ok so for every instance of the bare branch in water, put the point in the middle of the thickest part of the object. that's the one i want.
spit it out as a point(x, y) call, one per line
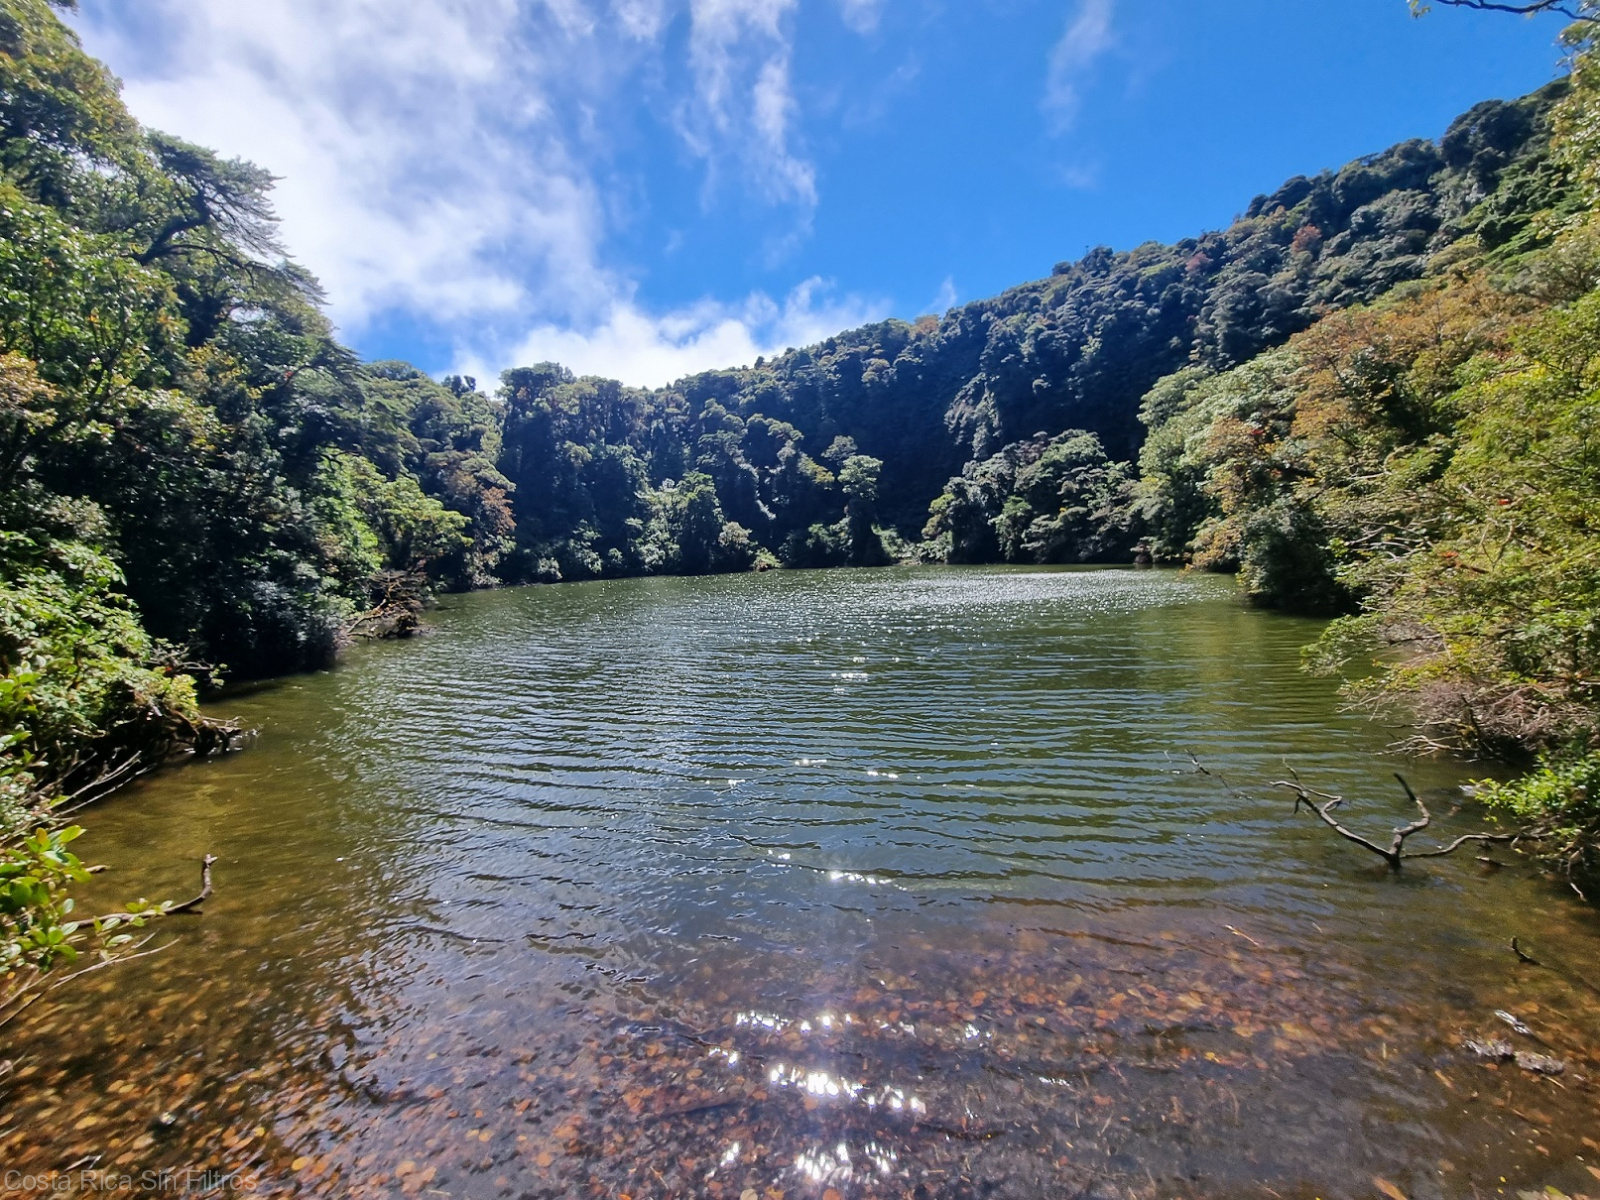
point(28, 984)
point(167, 910)
point(205, 888)
point(1395, 853)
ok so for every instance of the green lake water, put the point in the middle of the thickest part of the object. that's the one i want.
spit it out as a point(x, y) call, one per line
point(883, 883)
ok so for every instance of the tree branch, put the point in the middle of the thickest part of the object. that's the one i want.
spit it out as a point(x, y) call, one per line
point(1395, 853)
point(1303, 795)
point(205, 888)
point(1521, 8)
point(167, 910)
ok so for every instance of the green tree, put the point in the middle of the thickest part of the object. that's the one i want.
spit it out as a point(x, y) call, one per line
point(858, 479)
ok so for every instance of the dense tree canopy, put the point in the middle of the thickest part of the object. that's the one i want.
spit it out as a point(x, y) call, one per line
point(956, 397)
point(191, 469)
point(1421, 463)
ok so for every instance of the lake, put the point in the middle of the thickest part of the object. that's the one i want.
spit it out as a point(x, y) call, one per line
point(871, 883)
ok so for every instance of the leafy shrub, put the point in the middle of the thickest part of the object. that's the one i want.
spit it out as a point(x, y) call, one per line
point(1559, 801)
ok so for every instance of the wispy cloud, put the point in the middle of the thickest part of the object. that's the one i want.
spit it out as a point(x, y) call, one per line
point(861, 15)
point(641, 19)
point(1079, 176)
point(644, 348)
point(417, 144)
point(448, 163)
point(743, 107)
point(881, 98)
point(1087, 38)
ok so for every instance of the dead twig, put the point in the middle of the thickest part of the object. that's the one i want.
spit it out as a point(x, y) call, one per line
point(110, 777)
point(205, 888)
point(167, 910)
point(1521, 8)
point(1201, 769)
point(25, 991)
point(31, 990)
point(1395, 852)
point(1573, 977)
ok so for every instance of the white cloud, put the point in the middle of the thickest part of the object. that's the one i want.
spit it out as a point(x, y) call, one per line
point(414, 142)
point(641, 19)
point(640, 348)
point(1079, 176)
point(861, 15)
point(774, 104)
point(945, 299)
point(740, 53)
point(1087, 38)
point(445, 163)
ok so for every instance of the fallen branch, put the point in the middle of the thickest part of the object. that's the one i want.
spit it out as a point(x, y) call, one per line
point(399, 598)
point(27, 985)
point(1201, 769)
point(205, 888)
point(1395, 853)
point(156, 742)
point(168, 909)
point(1571, 976)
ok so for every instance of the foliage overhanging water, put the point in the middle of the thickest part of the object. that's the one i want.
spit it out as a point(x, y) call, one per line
point(887, 882)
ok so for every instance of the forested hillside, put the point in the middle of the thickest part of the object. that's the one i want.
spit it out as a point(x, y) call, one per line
point(971, 393)
point(194, 476)
point(1373, 394)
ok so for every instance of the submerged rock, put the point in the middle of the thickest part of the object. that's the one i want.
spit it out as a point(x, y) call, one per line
point(1540, 1064)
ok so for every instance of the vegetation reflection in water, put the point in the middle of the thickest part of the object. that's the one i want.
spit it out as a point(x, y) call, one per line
point(880, 883)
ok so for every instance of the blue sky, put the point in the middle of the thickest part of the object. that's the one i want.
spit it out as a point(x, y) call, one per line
point(640, 188)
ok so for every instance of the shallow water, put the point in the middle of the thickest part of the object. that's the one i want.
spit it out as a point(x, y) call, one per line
point(877, 883)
